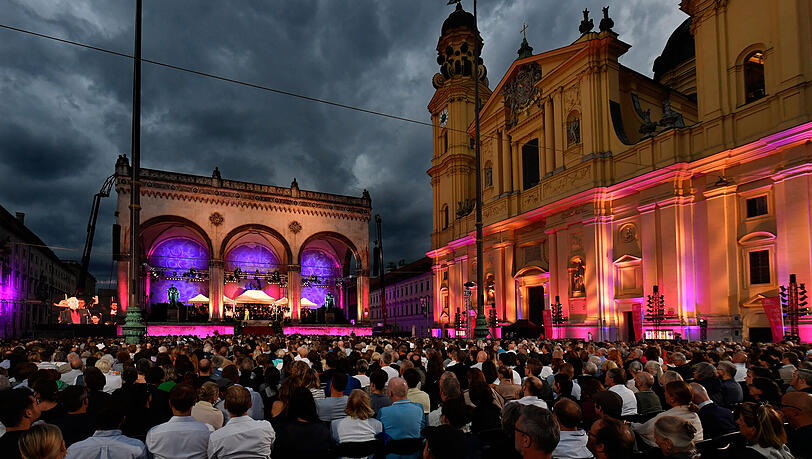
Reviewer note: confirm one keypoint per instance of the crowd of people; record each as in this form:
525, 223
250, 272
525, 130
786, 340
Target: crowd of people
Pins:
319, 397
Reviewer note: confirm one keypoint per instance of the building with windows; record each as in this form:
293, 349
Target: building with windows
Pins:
600, 184
408, 298
32, 278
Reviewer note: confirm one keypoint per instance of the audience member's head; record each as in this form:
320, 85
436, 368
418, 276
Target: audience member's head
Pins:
302, 406
449, 386
74, 399
761, 424
238, 400
678, 393
608, 404
42, 441
797, 408
398, 389
209, 392
94, 379
377, 379
536, 432
456, 413
643, 381
567, 413
19, 409
110, 417
674, 435
610, 439
182, 398
358, 405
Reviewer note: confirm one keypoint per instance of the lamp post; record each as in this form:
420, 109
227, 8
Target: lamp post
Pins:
481, 327
134, 327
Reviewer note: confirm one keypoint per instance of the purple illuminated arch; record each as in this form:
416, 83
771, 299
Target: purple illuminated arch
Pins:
251, 257
321, 264
177, 256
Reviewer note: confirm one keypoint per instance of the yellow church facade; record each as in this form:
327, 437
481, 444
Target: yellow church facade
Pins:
600, 183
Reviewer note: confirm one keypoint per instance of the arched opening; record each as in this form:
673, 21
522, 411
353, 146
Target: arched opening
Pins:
329, 268
754, 77
176, 269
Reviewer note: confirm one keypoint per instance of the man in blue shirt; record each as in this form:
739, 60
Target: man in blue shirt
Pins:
108, 441
403, 419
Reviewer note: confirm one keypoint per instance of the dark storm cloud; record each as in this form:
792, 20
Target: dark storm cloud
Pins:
66, 110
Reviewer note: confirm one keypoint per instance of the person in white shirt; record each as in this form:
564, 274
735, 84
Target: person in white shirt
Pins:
112, 381
358, 425
481, 357
532, 391
572, 440
362, 366
678, 395
183, 435
740, 360
616, 382
242, 437
76, 367
107, 441
386, 361
302, 355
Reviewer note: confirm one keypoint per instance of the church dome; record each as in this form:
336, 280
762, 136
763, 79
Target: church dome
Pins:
459, 18
678, 49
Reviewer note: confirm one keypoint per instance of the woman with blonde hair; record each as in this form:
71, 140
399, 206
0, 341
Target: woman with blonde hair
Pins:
42, 441
763, 429
358, 425
204, 410
675, 437
112, 381
677, 395
311, 381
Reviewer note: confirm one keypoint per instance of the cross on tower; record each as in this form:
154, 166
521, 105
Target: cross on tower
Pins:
524, 31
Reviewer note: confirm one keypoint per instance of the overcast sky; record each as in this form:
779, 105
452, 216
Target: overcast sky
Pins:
65, 111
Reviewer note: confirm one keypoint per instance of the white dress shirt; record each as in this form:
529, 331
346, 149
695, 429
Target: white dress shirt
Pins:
391, 372
572, 444
363, 379
108, 444
531, 400
180, 437
646, 429
629, 400
112, 382
741, 372
70, 377
242, 437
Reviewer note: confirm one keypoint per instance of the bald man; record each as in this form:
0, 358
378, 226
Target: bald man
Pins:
716, 420
402, 419
481, 358
797, 409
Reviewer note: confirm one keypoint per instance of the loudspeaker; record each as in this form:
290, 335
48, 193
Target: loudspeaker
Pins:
116, 242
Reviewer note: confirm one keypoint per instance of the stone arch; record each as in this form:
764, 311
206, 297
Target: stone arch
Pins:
336, 236
238, 231
172, 222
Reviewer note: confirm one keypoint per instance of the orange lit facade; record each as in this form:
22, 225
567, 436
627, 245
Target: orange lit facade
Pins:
600, 183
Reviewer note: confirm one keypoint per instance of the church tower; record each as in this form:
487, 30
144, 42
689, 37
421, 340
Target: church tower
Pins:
452, 113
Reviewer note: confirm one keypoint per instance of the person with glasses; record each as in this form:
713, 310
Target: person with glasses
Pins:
609, 438
536, 433
802, 378
797, 410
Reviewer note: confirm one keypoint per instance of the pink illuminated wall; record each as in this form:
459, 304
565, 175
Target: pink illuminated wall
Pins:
327, 330
201, 331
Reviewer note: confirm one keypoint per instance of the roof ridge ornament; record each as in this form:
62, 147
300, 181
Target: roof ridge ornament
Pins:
606, 23
586, 24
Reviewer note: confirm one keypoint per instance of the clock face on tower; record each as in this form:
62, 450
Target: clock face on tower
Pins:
443, 117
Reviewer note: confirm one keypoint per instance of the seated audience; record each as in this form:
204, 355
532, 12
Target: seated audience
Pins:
241, 436
675, 437
358, 425
678, 396
18, 410
797, 409
761, 426
377, 384
182, 435
609, 438
647, 400
302, 435
716, 420
572, 440
616, 382
204, 410
537, 433
42, 441
108, 440
332, 407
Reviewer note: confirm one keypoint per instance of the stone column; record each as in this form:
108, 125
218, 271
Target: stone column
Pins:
600, 286
549, 136
557, 129
516, 166
294, 290
216, 286
719, 257
362, 291
507, 165
123, 275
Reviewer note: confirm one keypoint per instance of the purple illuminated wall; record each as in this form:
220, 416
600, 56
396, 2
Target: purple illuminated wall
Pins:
250, 257
177, 256
322, 265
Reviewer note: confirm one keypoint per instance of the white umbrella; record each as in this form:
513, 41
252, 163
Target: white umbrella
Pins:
200, 298
281, 302
254, 296
305, 303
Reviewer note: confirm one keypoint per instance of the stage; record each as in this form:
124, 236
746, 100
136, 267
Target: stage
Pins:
205, 330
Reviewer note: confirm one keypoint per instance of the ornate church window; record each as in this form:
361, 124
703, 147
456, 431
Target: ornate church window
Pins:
754, 77
488, 175
577, 270
573, 129
530, 164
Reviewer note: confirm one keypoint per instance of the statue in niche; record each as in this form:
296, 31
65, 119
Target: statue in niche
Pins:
173, 294
329, 301
577, 278
573, 131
